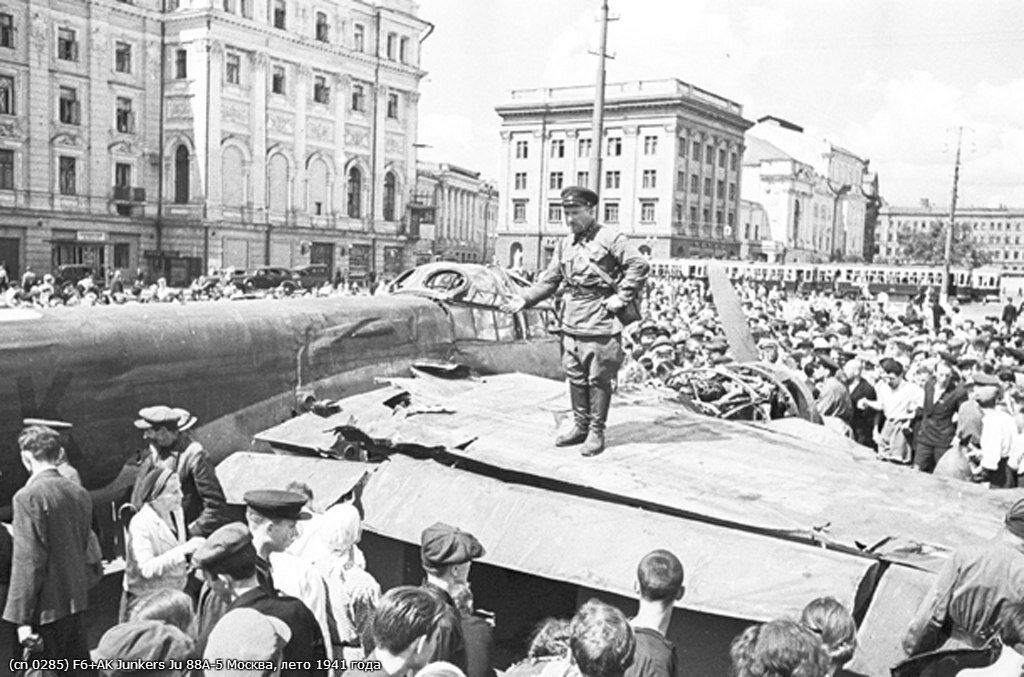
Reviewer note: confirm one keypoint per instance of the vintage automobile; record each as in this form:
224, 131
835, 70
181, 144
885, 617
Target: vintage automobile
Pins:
311, 275
267, 277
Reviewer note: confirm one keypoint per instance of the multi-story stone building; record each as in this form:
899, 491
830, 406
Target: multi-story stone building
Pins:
996, 231
670, 168
816, 193
462, 207
176, 135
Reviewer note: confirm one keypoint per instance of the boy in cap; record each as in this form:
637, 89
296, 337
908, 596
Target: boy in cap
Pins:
447, 554
405, 625
169, 447
589, 261
659, 580
974, 584
228, 562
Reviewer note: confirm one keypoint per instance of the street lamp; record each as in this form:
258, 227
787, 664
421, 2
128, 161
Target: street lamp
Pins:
838, 193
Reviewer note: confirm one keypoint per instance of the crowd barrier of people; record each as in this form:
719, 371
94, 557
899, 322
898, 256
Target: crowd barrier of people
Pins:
48, 292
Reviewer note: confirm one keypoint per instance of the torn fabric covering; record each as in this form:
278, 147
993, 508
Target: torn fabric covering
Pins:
330, 479
668, 459
596, 544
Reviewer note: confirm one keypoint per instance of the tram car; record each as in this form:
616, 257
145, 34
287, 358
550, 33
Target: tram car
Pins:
845, 279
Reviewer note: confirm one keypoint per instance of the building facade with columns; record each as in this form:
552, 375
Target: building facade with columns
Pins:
240, 133
818, 195
670, 173
462, 214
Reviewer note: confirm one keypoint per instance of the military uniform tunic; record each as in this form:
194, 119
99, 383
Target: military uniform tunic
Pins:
592, 349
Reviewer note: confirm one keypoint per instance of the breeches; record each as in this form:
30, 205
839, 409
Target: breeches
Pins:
591, 360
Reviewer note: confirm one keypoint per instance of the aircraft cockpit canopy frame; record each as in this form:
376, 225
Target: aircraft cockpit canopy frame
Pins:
464, 283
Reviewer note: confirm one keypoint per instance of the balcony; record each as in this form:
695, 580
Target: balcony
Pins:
129, 194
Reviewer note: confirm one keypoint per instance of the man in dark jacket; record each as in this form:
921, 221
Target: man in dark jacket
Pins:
943, 396
588, 261
169, 447
228, 561
49, 575
659, 580
447, 554
862, 420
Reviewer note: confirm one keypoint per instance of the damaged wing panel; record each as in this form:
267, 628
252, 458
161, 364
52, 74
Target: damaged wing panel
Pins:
667, 459
567, 538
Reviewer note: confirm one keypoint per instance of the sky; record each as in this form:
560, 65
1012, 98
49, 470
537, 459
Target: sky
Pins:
889, 80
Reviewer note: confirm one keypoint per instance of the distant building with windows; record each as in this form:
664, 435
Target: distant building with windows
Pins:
819, 196
671, 156
997, 231
181, 135
457, 214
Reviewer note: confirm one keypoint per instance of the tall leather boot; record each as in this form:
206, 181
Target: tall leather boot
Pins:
600, 400
579, 395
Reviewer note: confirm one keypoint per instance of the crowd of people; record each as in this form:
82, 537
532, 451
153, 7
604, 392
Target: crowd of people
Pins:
46, 291
287, 590
918, 382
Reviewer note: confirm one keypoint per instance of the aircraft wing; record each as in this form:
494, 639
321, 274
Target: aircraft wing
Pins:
764, 519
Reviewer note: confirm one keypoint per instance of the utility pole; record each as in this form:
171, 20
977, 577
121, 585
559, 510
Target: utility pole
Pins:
597, 126
952, 216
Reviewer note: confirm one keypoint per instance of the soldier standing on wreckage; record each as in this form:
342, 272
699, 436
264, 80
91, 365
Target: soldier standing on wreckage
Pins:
603, 273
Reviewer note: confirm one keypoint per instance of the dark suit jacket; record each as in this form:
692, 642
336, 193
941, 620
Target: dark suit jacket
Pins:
863, 419
49, 575
307, 642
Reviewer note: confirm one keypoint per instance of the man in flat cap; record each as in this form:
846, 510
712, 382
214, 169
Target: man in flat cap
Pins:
603, 274
228, 562
974, 584
169, 447
447, 554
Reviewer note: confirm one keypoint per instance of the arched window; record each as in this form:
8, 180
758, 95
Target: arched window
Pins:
318, 187
645, 250
515, 255
181, 167
389, 197
355, 191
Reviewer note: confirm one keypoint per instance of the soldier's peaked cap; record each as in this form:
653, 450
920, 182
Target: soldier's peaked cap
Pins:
578, 196
276, 504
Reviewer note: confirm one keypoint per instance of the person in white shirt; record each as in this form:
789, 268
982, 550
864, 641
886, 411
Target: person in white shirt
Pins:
998, 439
157, 549
899, 400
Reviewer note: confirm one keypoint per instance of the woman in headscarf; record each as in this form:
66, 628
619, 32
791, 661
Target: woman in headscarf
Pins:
353, 592
156, 551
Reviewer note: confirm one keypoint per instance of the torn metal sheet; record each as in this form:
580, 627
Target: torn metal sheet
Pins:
896, 598
330, 479
596, 544
664, 458
734, 320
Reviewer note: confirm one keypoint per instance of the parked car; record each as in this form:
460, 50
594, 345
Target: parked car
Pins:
72, 273
311, 275
267, 277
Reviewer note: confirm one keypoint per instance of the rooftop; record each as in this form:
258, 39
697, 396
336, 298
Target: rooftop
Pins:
621, 91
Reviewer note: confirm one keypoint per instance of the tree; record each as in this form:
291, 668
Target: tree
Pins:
929, 246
